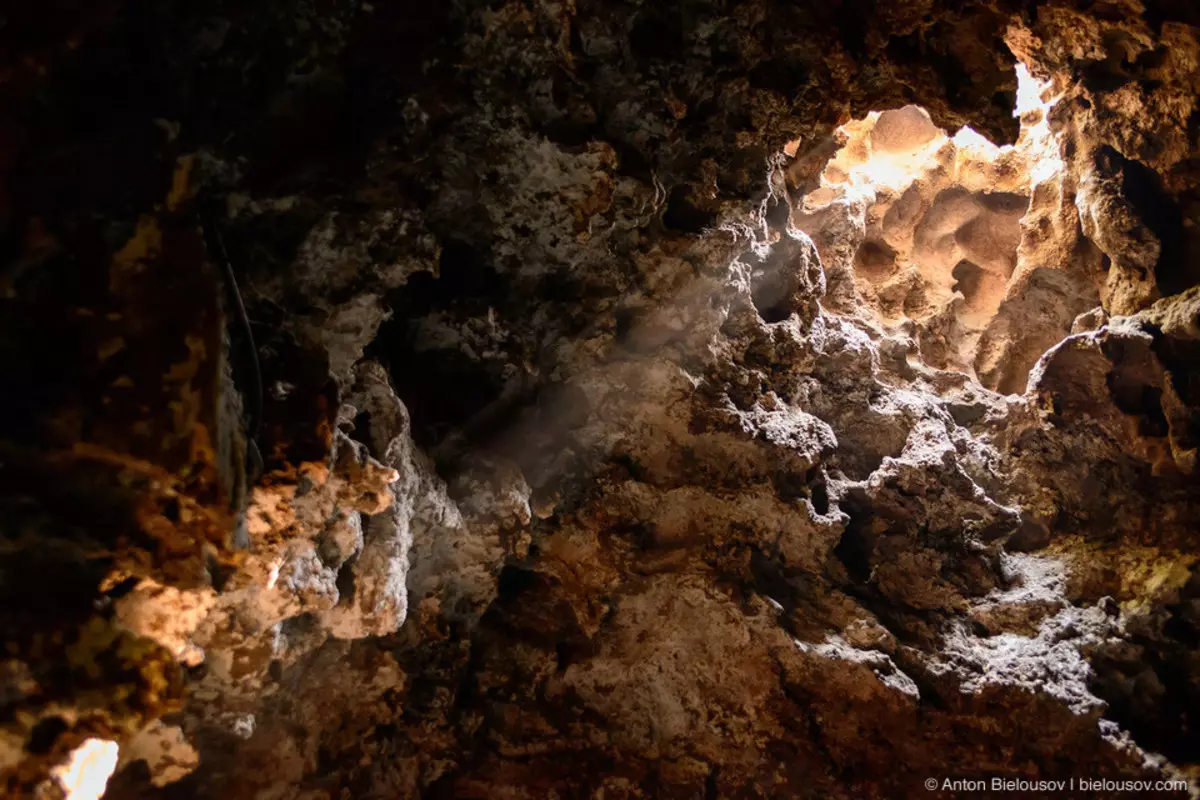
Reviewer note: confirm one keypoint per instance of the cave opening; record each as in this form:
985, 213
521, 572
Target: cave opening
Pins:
936, 233
606, 451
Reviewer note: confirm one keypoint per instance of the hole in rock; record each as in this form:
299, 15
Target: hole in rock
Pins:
968, 278
345, 582
685, 214
820, 498
439, 383
942, 235
45, 734
856, 545
770, 299
876, 260
1141, 400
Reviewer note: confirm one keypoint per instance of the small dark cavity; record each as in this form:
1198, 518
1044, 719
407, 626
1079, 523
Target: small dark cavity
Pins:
345, 581
856, 546
657, 32
772, 298
219, 574
790, 485
1178, 357
561, 287
444, 389
625, 318
779, 215
1005, 101
684, 215
45, 734
362, 427
966, 414
1176, 269
774, 580
820, 498
1007, 203
632, 466
852, 19
387, 731
875, 258
1030, 535
123, 588
1141, 400
780, 75
641, 535
513, 582
967, 277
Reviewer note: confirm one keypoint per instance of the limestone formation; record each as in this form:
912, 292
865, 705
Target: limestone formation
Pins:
647, 399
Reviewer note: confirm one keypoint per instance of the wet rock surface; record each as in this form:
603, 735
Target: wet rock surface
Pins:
641, 415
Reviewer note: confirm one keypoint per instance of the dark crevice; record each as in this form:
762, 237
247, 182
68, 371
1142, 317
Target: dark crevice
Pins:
856, 547
1141, 400
625, 318
1176, 269
1178, 356
820, 498
657, 33
684, 215
1147, 682
771, 298
45, 734
442, 388
362, 429
784, 77
346, 581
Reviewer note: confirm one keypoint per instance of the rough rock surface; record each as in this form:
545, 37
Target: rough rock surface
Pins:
642, 414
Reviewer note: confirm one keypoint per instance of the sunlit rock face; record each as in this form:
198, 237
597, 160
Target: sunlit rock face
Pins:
85, 775
920, 230
657, 400
956, 242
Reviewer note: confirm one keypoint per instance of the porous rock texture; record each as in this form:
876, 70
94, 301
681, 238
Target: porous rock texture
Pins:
641, 415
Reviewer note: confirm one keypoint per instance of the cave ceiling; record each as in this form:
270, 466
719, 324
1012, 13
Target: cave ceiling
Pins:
598, 398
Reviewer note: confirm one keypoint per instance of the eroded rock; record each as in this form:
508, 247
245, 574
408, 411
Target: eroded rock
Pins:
657, 401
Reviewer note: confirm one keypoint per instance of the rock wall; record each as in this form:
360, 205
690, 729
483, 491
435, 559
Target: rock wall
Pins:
637, 412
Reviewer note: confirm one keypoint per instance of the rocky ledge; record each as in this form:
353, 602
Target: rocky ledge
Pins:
594, 399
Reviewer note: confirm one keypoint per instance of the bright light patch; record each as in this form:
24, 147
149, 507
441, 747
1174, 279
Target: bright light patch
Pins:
889, 171
273, 576
968, 137
1029, 92
1034, 96
888, 151
86, 774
